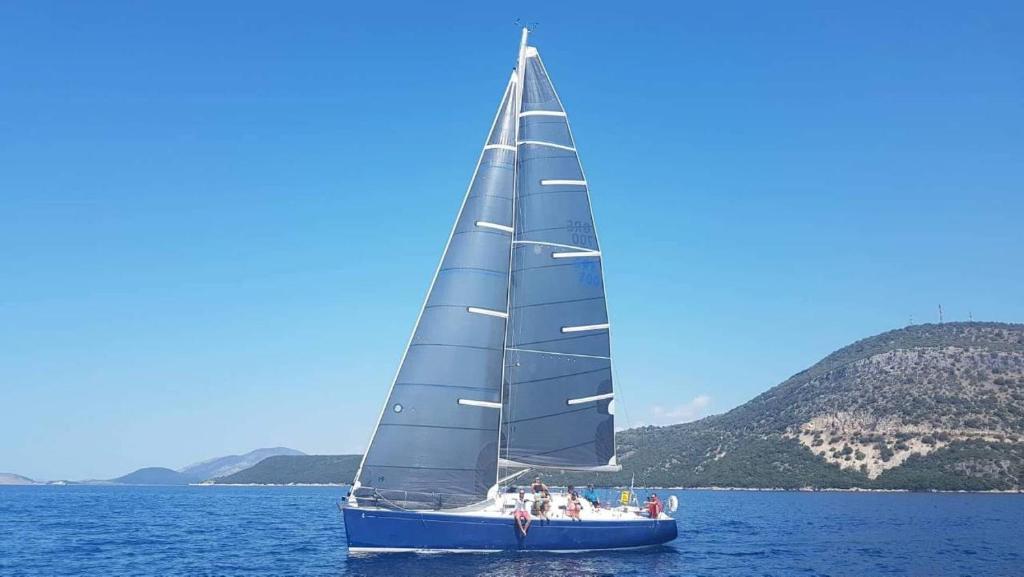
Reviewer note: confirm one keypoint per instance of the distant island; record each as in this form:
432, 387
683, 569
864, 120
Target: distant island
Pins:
12, 479
922, 408
297, 469
202, 471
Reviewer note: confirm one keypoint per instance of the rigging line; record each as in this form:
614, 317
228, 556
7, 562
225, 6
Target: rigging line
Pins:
559, 227
473, 268
552, 192
559, 414
483, 230
472, 347
443, 386
594, 333
517, 97
564, 302
576, 446
543, 266
545, 243
592, 371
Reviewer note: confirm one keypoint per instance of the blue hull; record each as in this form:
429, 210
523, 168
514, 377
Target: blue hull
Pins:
370, 529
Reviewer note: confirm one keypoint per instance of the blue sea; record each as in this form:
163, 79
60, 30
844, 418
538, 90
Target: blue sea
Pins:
108, 531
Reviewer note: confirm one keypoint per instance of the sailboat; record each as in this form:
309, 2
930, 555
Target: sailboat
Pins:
509, 367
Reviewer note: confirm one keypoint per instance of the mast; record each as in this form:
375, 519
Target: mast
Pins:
520, 65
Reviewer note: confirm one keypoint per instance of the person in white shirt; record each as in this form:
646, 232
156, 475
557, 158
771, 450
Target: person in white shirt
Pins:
521, 513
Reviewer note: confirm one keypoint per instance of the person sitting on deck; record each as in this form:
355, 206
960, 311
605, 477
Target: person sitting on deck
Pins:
572, 506
520, 514
545, 504
537, 486
591, 496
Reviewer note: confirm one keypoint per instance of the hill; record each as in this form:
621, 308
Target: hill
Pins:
12, 479
224, 466
153, 476
927, 407
197, 472
286, 469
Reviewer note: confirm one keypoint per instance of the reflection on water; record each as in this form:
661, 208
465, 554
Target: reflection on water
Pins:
653, 561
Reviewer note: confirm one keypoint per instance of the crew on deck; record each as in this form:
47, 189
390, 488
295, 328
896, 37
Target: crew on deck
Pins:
521, 513
654, 506
590, 495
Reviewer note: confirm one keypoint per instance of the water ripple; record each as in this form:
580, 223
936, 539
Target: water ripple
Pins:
169, 531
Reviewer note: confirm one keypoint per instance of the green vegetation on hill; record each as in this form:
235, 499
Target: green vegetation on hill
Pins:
224, 466
929, 407
154, 476
300, 469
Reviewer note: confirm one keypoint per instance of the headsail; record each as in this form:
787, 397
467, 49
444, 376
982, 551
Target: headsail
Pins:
435, 444
558, 407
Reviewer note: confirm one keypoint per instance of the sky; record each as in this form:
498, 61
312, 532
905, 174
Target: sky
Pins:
218, 220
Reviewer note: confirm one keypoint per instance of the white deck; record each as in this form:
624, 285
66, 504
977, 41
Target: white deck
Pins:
505, 504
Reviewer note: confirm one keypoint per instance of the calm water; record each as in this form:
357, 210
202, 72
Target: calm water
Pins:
298, 531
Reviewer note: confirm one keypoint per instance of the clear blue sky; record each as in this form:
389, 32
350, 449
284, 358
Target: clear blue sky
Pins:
218, 221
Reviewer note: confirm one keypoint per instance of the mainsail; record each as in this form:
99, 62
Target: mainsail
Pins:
509, 361
436, 441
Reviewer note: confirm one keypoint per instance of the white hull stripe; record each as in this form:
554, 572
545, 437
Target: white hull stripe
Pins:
501, 227
582, 400
508, 147
484, 404
487, 312
541, 113
578, 254
550, 144
556, 182
584, 328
